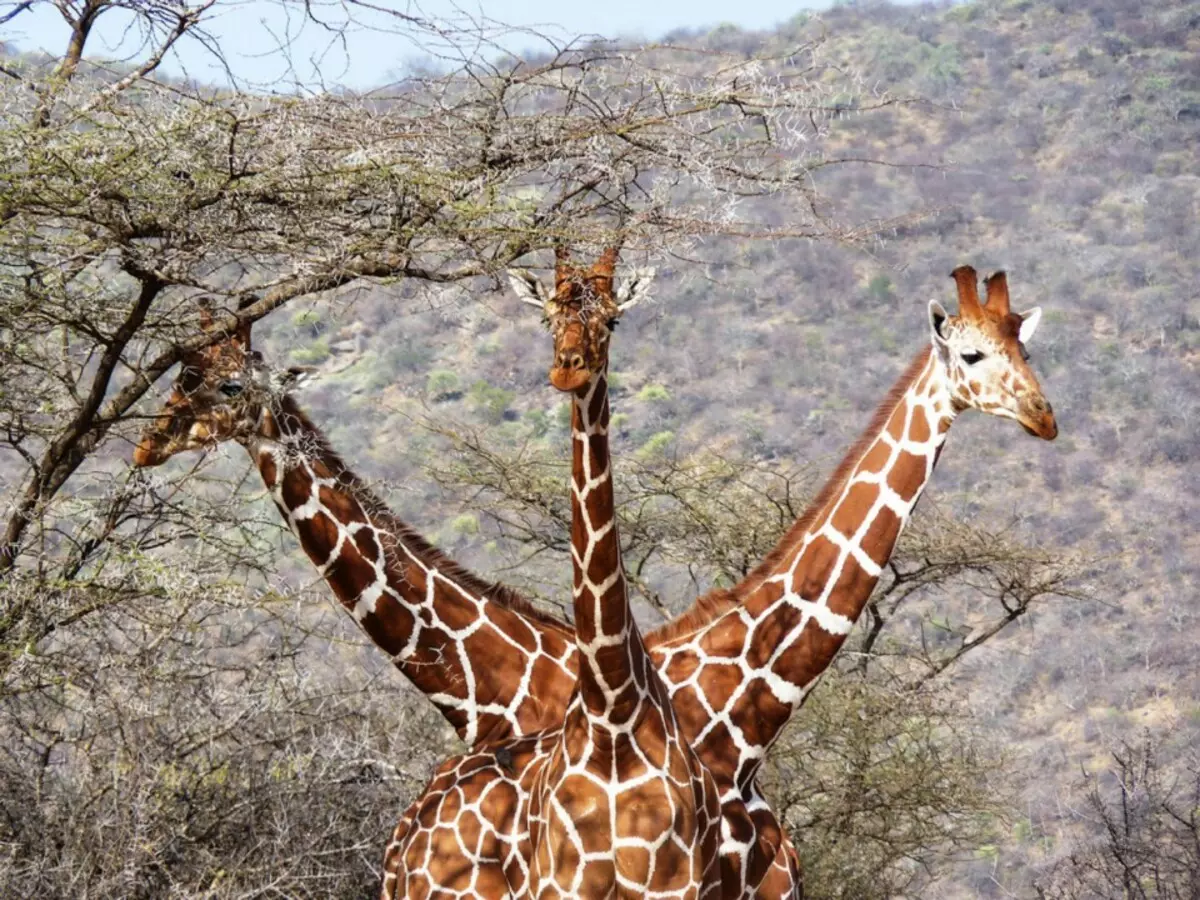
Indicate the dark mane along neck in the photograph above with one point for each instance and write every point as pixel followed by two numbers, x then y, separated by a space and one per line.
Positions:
pixel 720 601
pixel 299 433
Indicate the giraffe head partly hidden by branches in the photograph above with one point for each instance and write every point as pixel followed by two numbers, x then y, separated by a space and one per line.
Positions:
pixel 218 396
pixel 581 312
pixel 983 350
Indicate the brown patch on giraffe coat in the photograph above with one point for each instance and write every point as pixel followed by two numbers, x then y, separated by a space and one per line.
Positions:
pixel 499 805
pixel 652 738
pixel 851 590
pixel 681 666
pixel 768 633
pixel 807 657
pixel 517 629
pixel 451 609
pixel 318 536
pixel 717 749
pixel 767 595
pixel 895 425
pixel 448 865
pixel 490 880
pixel 267 469
pixel 815 567
pixel 644 812
pixel 390 619
pixel 598 408
pixel 850 511
pixel 368 545
pixel 597 881
pixel 875 459
pixel 575 740
pixel 918 428
pixel 758 711
pixel 343 507
pixel 295 489
pixel 598 447
pixel 470 831
pixel 349 574
pixel 881 536
pixel 907 475
pixel 718 683
pixel 625 703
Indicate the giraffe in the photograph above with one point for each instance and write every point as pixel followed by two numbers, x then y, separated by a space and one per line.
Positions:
pixel 615 802
pixel 622 806
pixel 493 665
pixel 479 829
pixel 742 660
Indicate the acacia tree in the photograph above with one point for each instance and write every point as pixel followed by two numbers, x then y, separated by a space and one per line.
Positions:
pixel 1144 823
pixel 164 722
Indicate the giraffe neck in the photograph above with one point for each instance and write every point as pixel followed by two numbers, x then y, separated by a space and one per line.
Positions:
pixel 788 619
pixel 432 618
pixel 611 654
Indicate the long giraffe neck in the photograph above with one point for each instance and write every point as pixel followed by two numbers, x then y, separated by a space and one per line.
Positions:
pixel 784 624
pixel 611 654
pixel 475 649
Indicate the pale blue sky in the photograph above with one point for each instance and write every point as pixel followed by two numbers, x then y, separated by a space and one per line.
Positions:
pixel 251 31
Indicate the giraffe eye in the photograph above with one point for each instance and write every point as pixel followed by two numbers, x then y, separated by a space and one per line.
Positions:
pixel 612 323
pixel 971 357
pixel 231 388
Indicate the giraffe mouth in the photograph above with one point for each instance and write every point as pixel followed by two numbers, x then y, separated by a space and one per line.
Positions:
pixel 1044 427
pixel 568 380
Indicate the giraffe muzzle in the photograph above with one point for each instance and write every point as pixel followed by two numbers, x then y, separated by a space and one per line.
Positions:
pixel 569 372
pixel 1037 418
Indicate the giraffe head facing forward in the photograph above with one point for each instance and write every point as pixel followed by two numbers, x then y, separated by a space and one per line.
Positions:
pixel 581 312
pixel 983 350
pixel 218 396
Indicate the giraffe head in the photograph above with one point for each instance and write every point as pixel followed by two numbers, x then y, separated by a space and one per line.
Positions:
pixel 581 312
pixel 983 350
pixel 218 396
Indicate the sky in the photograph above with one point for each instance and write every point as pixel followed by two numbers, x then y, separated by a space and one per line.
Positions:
pixel 251 33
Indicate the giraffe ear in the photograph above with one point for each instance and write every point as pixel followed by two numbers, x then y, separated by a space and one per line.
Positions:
pixel 937 321
pixel 528 288
pixel 1029 323
pixel 635 289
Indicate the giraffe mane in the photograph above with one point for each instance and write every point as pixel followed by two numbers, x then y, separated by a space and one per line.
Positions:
pixel 719 601
pixel 501 594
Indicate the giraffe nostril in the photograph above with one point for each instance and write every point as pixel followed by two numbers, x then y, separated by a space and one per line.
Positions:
pixel 577 361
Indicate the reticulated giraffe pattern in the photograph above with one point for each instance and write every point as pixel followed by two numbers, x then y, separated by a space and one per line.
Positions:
pixel 742 661
pixel 737 664
pixel 623 806
pixel 485 657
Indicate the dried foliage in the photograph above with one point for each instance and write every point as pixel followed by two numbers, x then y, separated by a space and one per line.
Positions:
pixel 1145 827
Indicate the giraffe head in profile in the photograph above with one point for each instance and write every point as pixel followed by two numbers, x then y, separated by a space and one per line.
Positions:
pixel 581 312
pixel 983 351
pixel 218 396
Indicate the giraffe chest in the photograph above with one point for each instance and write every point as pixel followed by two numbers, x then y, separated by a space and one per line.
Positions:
pixel 625 811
